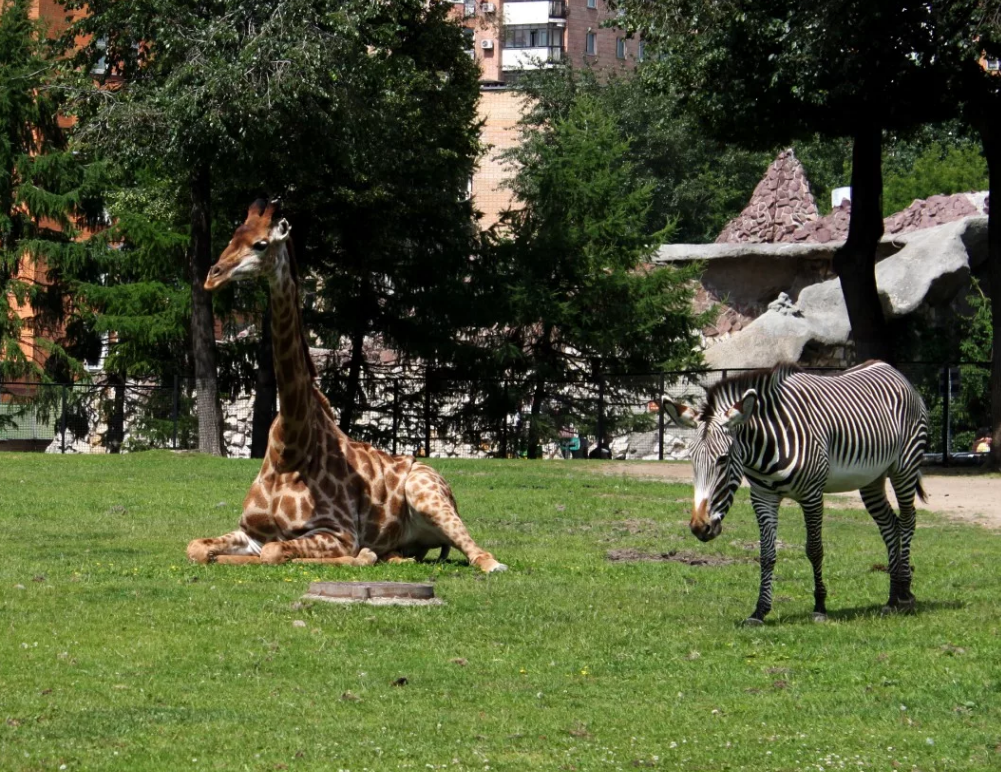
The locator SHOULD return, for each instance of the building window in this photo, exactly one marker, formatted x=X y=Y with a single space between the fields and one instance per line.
x=993 y=65
x=620 y=48
x=591 y=43
x=101 y=66
x=641 y=51
x=526 y=37
x=592 y=3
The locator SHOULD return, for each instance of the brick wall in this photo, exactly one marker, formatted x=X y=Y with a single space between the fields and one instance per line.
x=500 y=109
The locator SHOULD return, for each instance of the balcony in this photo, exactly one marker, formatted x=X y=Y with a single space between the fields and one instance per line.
x=533 y=58
x=557 y=9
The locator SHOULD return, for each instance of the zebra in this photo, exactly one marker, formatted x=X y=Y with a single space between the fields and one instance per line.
x=797 y=435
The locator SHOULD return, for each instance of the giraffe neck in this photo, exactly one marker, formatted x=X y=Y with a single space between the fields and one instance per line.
x=294 y=370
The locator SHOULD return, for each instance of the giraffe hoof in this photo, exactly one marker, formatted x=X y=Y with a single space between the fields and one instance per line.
x=753 y=622
x=198 y=552
x=496 y=568
x=365 y=557
x=819 y=617
x=272 y=553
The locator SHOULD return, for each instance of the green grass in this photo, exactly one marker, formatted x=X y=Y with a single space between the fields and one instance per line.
x=117 y=654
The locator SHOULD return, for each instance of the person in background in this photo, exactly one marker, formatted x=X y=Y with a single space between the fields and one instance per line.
x=982 y=444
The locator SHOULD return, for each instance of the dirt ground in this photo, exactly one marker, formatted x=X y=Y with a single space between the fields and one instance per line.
x=962 y=494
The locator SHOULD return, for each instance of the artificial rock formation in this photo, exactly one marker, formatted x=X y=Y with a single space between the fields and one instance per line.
x=780 y=205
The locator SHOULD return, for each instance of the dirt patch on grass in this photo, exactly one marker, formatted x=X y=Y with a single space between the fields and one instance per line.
x=631 y=555
x=960 y=494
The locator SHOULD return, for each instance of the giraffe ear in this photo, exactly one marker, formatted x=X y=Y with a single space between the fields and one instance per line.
x=682 y=415
x=281 y=231
x=741 y=410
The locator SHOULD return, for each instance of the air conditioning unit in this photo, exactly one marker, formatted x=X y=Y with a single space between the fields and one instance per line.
x=487 y=7
x=486 y=44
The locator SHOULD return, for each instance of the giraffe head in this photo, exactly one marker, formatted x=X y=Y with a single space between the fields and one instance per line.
x=254 y=247
x=716 y=458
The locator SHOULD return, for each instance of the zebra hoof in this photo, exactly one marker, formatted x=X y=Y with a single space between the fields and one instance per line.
x=818 y=617
x=898 y=607
x=753 y=622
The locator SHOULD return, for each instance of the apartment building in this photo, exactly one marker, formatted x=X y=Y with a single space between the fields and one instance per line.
x=510 y=37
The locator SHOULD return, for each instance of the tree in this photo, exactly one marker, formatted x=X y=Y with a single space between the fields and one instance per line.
x=977 y=40
x=360 y=115
x=846 y=68
x=938 y=169
x=47 y=196
x=191 y=89
x=390 y=224
x=574 y=295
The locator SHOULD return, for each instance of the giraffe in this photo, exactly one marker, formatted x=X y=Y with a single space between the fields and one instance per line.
x=319 y=495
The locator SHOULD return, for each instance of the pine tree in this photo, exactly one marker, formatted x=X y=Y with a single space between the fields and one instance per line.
x=48 y=197
x=576 y=295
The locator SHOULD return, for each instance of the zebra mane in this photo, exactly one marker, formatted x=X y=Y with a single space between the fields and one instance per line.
x=730 y=389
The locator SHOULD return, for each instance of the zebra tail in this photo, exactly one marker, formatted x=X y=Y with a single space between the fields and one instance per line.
x=921 y=491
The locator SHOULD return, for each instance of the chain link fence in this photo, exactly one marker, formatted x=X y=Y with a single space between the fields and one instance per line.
x=429 y=415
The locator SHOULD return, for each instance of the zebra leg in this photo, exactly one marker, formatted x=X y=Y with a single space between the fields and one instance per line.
x=905 y=486
x=874 y=498
x=766 y=510
x=813 y=514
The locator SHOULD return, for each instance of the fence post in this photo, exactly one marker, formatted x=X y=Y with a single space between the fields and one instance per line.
x=946 y=399
x=601 y=417
x=396 y=412
x=174 y=410
x=427 y=412
x=660 y=420
x=506 y=408
x=63 y=422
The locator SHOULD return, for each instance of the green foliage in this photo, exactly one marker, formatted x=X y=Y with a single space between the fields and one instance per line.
x=573 y=291
x=361 y=116
x=763 y=72
x=939 y=169
x=144 y=662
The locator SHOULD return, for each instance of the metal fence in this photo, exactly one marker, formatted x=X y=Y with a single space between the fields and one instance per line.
x=427 y=414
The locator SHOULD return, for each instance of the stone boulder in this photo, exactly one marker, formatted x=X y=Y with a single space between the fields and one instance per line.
x=931 y=266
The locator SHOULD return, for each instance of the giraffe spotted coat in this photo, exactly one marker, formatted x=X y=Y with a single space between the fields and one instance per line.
x=320 y=495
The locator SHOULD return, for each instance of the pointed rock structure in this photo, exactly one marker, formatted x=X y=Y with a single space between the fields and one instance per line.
x=780 y=205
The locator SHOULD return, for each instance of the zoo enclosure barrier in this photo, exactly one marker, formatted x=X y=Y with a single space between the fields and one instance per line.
x=615 y=416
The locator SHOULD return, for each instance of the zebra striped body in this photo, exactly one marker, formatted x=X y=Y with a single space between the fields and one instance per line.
x=797 y=435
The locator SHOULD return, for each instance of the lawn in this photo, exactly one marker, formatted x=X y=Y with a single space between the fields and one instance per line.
x=117 y=654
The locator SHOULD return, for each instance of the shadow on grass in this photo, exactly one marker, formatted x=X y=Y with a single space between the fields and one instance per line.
x=875 y=610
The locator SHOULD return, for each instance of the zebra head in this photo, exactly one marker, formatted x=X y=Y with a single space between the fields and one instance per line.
x=716 y=458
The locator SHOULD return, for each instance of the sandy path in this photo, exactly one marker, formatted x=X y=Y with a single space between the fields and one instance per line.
x=962 y=494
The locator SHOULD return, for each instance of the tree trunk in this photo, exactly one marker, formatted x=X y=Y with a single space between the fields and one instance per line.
x=855 y=262
x=265 y=390
x=534 y=427
x=115 y=435
x=992 y=150
x=202 y=321
x=357 y=361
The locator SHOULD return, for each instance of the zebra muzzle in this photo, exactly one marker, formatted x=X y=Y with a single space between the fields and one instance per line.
x=705 y=526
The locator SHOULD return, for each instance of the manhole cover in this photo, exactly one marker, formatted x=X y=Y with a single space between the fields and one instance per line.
x=376 y=593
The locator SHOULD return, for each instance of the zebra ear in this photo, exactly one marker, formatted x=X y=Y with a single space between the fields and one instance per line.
x=741 y=410
x=682 y=415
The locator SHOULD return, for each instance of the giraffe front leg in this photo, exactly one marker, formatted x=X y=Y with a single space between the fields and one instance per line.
x=235 y=543
x=766 y=510
x=325 y=547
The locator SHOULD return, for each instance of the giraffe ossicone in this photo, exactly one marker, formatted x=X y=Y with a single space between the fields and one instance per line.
x=319 y=494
